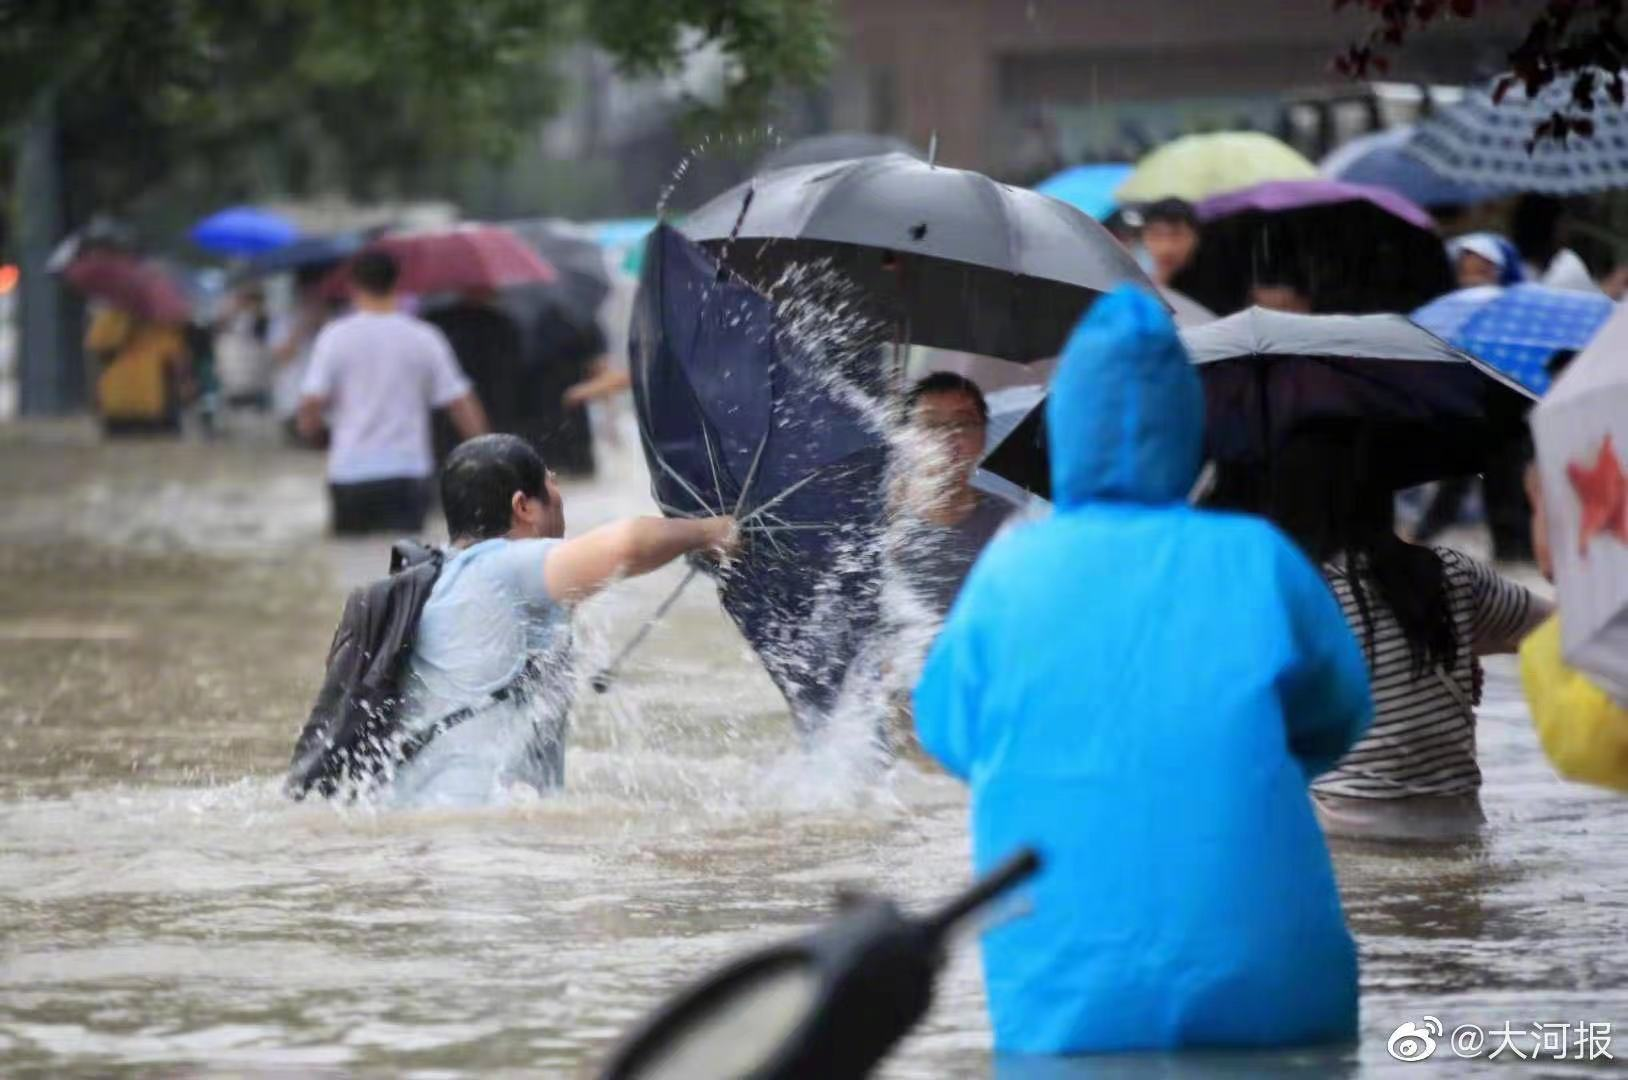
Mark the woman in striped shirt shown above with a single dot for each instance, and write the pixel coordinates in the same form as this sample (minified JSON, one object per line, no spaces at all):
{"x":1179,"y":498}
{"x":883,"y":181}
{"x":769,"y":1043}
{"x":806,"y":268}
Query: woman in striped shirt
{"x":1423,"y":617}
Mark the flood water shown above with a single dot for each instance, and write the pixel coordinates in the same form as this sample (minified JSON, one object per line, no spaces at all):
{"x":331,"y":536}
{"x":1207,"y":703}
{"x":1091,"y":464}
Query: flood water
{"x":164,"y":612}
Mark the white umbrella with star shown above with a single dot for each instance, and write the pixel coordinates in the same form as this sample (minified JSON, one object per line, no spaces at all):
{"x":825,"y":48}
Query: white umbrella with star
{"x":1581,"y":432}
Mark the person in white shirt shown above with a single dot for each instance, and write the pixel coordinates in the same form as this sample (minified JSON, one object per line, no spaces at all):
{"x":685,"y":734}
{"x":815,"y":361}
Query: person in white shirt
{"x":376,"y":374}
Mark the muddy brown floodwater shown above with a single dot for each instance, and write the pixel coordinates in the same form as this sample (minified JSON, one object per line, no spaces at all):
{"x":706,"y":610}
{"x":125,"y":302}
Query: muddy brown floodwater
{"x":164,"y":610}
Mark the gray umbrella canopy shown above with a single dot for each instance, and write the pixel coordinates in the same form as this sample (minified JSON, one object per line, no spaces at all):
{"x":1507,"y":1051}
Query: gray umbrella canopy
{"x":583,"y":282}
{"x":941,"y":257}
{"x":835,"y":146}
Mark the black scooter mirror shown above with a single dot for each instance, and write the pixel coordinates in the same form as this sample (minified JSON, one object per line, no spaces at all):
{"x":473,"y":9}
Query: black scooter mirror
{"x":828,"y":1005}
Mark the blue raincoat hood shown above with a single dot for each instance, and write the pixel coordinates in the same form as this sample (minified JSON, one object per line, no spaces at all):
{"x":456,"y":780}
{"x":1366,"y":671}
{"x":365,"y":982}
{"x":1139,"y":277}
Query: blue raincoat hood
{"x":1125,"y":413}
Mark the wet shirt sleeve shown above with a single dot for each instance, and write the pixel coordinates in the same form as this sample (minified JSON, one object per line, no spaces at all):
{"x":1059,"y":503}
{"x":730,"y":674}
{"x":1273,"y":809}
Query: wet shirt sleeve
{"x":519,"y":564}
{"x":1503,"y":610}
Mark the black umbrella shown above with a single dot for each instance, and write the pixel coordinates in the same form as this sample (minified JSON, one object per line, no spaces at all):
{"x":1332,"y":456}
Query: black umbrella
{"x":1431,"y":410}
{"x":943,"y":257}
{"x":583,"y":281}
{"x":1350,"y":249}
{"x":834,"y":146}
{"x":740,"y":416}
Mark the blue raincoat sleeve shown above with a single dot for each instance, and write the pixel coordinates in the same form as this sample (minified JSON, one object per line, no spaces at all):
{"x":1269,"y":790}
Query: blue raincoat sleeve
{"x":1326,"y":703}
{"x":946,"y":693}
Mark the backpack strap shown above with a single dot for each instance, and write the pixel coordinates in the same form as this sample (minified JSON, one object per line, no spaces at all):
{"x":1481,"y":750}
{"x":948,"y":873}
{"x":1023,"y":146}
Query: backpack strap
{"x":516,"y":689}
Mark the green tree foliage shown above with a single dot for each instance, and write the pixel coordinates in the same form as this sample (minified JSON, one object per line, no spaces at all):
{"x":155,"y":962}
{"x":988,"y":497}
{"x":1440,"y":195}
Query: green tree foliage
{"x":259,"y":95}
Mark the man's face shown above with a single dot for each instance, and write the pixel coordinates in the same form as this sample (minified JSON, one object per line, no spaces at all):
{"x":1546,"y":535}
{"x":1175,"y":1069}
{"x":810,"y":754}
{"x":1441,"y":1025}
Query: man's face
{"x":1171,"y":245}
{"x":538,"y":518}
{"x":952,"y":419}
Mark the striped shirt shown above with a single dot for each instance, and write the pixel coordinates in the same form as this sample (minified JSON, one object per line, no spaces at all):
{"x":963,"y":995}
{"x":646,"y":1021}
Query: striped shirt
{"x":1422,"y":741}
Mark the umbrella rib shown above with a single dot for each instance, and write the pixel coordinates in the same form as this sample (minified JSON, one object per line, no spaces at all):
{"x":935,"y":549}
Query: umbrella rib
{"x":785,"y":494}
{"x":712,"y":462}
{"x":751,"y":476}
{"x":675,"y":475}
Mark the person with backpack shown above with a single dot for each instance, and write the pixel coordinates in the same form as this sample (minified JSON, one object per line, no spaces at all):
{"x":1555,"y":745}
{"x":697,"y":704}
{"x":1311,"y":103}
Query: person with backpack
{"x":452,"y":679}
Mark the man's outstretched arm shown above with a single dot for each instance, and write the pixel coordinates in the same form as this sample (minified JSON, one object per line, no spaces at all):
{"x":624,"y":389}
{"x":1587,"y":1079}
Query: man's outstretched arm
{"x":576,"y":569}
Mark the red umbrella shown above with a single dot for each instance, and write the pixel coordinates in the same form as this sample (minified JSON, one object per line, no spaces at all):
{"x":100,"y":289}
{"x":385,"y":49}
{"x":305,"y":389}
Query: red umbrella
{"x":135,"y":285}
{"x":453,"y":260}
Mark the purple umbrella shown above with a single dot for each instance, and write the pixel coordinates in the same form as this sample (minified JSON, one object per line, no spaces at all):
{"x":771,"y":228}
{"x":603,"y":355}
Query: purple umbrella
{"x":1278,"y":195}
{"x":1348,"y":248}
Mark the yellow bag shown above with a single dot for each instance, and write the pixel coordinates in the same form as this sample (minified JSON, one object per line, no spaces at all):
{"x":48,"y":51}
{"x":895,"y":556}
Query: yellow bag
{"x":1584,"y":732}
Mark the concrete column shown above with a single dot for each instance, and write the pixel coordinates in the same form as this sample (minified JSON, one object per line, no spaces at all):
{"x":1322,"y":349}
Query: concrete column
{"x":51,"y":374}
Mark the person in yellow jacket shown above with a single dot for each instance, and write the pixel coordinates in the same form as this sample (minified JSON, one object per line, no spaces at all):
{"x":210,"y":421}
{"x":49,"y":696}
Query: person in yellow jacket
{"x":1584,"y":731}
{"x":143,"y":372}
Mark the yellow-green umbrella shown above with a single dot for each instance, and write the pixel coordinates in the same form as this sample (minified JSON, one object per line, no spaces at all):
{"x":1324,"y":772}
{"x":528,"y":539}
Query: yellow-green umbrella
{"x":1195,"y":167}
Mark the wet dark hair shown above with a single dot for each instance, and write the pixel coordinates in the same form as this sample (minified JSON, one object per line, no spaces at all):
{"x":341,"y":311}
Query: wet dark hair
{"x":1170,"y":212}
{"x":1318,"y":492}
{"x":479,"y":480}
{"x":947,"y":382}
{"x":375,"y":271}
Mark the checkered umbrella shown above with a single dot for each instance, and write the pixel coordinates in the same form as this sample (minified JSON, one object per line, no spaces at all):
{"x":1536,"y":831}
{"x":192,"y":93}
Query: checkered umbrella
{"x":1519,"y":328}
{"x":1478,"y":141}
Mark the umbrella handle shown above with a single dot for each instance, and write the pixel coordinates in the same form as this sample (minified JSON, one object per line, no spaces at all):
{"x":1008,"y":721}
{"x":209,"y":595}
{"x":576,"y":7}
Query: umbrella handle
{"x":604,"y":676}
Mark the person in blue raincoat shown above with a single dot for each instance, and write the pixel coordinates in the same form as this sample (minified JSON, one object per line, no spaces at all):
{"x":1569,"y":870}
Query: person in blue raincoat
{"x":1141,"y":691}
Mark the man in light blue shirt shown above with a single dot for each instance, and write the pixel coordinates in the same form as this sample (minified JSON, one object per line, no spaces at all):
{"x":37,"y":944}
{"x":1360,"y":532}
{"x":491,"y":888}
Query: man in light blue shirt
{"x":489,"y":685}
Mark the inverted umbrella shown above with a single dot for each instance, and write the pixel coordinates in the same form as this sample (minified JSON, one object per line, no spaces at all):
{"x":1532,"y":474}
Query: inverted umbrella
{"x":1581,"y":432}
{"x":1518,"y":328}
{"x":1381,"y":159}
{"x":1491,"y":143}
{"x":835,"y":146}
{"x":1195,"y":167}
{"x":1433,"y":410}
{"x":129,"y":283}
{"x":243,"y":230}
{"x":946,"y":257}
{"x":1088,"y":187}
{"x":739,"y":416}
{"x":1352,"y":248}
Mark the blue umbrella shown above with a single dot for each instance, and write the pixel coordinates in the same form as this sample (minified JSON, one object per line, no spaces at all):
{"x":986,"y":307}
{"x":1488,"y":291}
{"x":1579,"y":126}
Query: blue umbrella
{"x":1379,"y":159}
{"x":1087,"y":187}
{"x":243,"y":230}
{"x":1519,"y":328}
{"x":738,"y":416}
